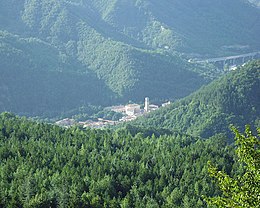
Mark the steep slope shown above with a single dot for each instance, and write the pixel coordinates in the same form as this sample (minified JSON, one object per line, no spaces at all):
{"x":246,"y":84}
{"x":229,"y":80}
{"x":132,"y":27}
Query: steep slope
{"x":49,"y":94}
{"x":129,"y":47}
{"x":70,"y":37}
{"x":233,"y":99}
{"x":188,"y":25}
{"x":34,"y":54}
{"x":134,"y":73}
{"x":37,"y":80}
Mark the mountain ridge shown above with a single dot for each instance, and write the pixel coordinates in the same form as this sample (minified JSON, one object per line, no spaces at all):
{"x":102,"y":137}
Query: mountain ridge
{"x":232,"y":99}
{"x":99,"y":39}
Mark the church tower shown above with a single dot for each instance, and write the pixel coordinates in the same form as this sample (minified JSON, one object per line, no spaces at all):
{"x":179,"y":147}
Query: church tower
{"x":146,"y":104}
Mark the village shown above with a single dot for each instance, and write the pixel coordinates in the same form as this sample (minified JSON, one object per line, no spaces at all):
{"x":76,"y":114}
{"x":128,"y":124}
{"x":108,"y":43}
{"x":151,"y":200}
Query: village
{"x":130,"y":112}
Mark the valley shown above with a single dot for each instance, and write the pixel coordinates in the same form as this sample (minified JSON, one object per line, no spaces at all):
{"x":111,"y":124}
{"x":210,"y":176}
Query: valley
{"x":229,"y":61}
{"x":128,"y":50}
{"x":126,"y":113}
{"x":124,"y":104}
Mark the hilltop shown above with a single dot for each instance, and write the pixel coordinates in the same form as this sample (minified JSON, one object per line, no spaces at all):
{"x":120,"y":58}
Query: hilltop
{"x":185,"y":25}
{"x":232,"y":99}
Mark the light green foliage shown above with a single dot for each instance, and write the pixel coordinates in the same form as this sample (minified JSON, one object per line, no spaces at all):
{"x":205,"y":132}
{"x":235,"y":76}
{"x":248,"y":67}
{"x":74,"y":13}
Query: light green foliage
{"x":242,"y":191}
{"x":134,"y":73}
{"x":159,"y":36}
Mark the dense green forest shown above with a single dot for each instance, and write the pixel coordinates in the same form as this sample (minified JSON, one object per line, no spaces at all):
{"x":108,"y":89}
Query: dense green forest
{"x":187,"y":25}
{"x":40,"y":83}
{"x":177,"y":24}
{"x":70,"y":58}
{"x":116,"y":47}
{"x":47,"y":166}
{"x":232,"y":99}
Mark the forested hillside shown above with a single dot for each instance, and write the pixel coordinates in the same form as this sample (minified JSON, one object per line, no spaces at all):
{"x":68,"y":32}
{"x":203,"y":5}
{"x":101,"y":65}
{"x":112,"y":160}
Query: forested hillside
{"x":129,"y":49}
{"x":188,"y":25}
{"x":46,"y":166}
{"x":232,"y":99}
{"x":60,"y":57}
{"x":177,"y":24}
{"x":39,"y":82}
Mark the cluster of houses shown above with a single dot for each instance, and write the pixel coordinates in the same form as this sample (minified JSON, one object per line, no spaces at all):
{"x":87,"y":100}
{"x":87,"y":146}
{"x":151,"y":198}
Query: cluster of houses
{"x":130,"y":112}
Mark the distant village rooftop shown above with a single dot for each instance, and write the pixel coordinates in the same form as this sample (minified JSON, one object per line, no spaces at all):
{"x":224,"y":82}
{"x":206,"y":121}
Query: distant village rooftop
{"x":130,"y":111}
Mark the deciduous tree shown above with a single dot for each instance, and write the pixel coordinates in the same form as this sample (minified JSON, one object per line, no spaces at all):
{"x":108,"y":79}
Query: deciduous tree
{"x":243,"y":190}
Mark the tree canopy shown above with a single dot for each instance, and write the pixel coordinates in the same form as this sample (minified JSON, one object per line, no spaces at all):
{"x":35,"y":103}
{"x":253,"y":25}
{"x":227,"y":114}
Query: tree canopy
{"x":242,"y":191}
{"x":43,"y":165}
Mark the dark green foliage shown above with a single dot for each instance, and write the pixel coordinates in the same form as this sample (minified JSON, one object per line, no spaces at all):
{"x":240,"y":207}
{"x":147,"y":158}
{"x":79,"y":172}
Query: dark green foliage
{"x":184,"y":25}
{"x":49,"y":94}
{"x":107,"y":115}
{"x":187,"y":25}
{"x":37,"y":80}
{"x":232,"y":99}
{"x":47,"y":166}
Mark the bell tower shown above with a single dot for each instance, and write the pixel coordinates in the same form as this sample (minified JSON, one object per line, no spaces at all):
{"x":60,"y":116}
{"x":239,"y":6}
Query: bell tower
{"x":146,"y":104}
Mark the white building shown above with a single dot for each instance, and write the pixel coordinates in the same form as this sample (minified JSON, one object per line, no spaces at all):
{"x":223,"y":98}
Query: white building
{"x":165,"y":104}
{"x":146,"y":104}
{"x":66,"y":122}
{"x":153,"y":107}
{"x":132,"y":109}
{"x":118,"y":109}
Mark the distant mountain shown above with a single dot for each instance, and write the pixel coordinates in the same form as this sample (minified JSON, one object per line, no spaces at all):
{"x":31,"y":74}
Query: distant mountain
{"x":130,"y":48}
{"x":232,"y":99}
{"x":30,"y":64}
{"x":189,"y":26}
{"x":36,"y":80}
